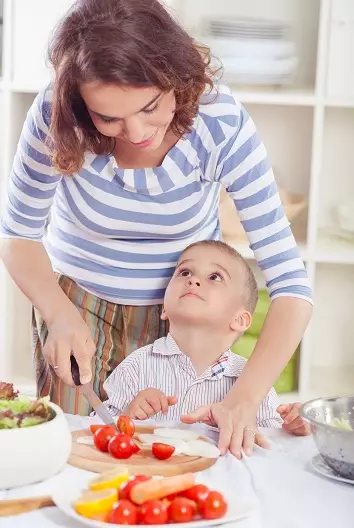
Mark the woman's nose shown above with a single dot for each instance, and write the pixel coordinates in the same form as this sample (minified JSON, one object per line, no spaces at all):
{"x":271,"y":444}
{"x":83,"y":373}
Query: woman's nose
{"x":134,"y":130}
{"x":193,"y":281}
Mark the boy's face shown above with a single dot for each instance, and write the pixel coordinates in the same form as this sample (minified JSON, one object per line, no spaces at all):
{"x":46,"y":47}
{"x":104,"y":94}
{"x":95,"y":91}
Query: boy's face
{"x":206,"y":288}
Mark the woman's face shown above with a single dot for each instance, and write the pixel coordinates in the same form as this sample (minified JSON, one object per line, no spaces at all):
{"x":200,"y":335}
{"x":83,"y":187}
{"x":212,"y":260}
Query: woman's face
{"x":139,"y":116}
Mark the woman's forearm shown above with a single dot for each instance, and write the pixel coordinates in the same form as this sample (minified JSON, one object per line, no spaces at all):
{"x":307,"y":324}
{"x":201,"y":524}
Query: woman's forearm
{"x":29,"y":266}
{"x":282,"y":331}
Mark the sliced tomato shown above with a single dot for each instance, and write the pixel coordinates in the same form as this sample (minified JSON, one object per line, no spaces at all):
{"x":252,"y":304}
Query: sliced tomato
{"x":126,"y":425}
{"x":197,"y":493}
{"x":102,"y":437}
{"x":182,"y":510}
{"x":126,"y":487}
{"x":121,"y":446}
{"x":214,"y":506}
{"x":153,"y":512}
{"x":123,"y":512}
{"x":162,"y":451}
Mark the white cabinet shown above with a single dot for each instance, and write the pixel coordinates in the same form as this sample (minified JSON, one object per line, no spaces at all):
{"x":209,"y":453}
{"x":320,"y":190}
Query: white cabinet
{"x":32,"y":24}
{"x":340,"y":74}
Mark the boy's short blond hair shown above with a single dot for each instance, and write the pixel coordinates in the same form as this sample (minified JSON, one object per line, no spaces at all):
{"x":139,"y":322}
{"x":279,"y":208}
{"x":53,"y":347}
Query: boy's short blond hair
{"x":250,"y":295}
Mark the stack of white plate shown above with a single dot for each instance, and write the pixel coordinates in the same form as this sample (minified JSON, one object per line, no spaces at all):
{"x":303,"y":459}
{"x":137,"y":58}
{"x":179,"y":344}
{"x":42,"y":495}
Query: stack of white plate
{"x":252,"y":50}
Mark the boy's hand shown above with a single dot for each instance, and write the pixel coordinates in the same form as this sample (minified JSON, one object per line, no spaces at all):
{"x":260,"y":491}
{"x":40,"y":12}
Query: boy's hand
{"x":149,"y":402}
{"x":293,"y":423}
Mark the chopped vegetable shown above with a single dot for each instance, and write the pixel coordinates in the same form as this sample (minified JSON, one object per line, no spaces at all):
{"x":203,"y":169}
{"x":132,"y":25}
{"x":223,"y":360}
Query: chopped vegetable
{"x":20,"y":411}
{"x":159,"y":488}
{"x":341,"y":423}
{"x":121,"y":446}
{"x":182,"y":434}
{"x":126,"y":425}
{"x":112,"y":478}
{"x":162,"y":451}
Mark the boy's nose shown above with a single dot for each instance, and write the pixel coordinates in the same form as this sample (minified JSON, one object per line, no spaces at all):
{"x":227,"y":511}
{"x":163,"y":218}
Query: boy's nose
{"x":193,"y":281}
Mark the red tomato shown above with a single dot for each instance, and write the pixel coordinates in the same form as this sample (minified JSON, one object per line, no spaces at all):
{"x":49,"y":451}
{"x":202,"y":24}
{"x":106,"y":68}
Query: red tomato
{"x":182,"y":510}
{"x":123,"y":512}
{"x":162,"y":451}
{"x":136,"y":448}
{"x":214,"y":506}
{"x":126,"y":487}
{"x":197,"y":493}
{"x":102,"y":437}
{"x":153,"y":512}
{"x":121,"y":446}
{"x":126,"y":425}
{"x":95,"y":427}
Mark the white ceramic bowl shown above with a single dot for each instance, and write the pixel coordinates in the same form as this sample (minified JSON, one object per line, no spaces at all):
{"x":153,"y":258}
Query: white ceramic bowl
{"x":36,"y":453}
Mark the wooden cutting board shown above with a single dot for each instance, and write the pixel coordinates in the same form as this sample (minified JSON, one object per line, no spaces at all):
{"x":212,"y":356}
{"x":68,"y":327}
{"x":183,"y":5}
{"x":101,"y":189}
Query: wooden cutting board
{"x":91,"y":459}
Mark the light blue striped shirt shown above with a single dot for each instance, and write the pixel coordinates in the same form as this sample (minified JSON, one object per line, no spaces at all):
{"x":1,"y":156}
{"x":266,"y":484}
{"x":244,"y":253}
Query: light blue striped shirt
{"x":119,"y":232}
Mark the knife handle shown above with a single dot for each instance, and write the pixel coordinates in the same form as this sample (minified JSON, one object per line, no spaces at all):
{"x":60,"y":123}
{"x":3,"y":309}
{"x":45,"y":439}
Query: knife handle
{"x":75,"y":372}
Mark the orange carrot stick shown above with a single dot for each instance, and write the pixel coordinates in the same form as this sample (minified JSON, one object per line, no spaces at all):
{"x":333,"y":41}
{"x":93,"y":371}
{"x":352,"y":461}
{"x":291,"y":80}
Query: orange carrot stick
{"x":159,"y":488}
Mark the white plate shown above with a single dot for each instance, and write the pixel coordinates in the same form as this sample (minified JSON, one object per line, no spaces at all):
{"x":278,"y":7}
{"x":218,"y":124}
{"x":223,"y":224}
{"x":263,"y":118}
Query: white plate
{"x":236,"y":512}
{"x":321,"y":467}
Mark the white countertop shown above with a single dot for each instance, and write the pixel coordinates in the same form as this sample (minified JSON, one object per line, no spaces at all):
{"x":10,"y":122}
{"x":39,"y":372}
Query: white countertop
{"x":290,"y":494}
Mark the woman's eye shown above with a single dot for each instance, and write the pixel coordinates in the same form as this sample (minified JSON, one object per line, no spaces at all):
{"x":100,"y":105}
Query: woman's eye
{"x":215,"y":277}
{"x":108,"y":120}
{"x":185,"y":273}
{"x":151,"y":110}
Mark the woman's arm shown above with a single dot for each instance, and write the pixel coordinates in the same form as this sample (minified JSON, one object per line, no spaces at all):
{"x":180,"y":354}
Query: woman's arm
{"x":31,"y":190}
{"x":243,"y":169}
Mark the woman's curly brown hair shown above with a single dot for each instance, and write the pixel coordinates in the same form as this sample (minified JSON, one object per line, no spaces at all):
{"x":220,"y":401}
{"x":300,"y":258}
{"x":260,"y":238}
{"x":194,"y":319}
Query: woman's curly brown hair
{"x":130,"y":42}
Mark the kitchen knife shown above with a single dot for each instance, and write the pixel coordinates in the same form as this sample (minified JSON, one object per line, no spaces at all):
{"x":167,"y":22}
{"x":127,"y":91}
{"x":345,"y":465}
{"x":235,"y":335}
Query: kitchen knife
{"x":90,"y":395}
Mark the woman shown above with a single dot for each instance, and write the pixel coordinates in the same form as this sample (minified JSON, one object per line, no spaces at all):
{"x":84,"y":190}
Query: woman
{"x":127,"y":152}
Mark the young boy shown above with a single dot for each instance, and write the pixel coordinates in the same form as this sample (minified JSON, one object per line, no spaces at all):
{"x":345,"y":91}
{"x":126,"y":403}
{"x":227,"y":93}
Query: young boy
{"x":209,"y":304}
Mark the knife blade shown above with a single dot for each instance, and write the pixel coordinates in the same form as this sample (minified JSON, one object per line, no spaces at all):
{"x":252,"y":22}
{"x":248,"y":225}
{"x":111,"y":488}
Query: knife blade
{"x":90,"y":395}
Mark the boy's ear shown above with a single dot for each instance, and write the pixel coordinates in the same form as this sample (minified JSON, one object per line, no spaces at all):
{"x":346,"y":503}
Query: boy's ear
{"x":241,"y":322}
{"x":163,"y":315}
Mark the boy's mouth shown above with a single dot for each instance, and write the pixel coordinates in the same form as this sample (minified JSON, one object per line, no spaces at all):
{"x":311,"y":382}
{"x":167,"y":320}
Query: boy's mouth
{"x":191,"y":293}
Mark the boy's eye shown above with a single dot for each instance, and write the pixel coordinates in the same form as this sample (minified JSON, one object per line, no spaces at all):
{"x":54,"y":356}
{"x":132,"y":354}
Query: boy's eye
{"x":216,"y":277}
{"x":185,"y":273}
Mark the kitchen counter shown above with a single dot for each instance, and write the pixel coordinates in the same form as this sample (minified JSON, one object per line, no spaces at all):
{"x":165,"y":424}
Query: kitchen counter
{"x":289,"y":493}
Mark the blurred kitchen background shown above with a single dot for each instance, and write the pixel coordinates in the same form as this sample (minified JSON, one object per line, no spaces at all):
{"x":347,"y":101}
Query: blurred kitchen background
{"x":290,"y":62}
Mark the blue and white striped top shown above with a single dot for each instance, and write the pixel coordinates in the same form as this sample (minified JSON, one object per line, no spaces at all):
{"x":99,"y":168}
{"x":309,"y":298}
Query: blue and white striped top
{"x":118,"y":232}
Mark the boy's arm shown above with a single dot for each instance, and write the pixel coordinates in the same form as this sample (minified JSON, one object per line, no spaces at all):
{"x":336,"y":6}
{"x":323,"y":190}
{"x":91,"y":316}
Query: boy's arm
{"x":267,"y":415}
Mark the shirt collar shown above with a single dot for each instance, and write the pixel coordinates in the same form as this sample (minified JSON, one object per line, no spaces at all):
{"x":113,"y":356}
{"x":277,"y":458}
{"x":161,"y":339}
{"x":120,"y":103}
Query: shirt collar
{"x":223,"y":366}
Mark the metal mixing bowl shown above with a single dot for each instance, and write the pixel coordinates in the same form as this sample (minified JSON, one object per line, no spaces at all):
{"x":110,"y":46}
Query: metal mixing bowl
{"x":335,"y":445}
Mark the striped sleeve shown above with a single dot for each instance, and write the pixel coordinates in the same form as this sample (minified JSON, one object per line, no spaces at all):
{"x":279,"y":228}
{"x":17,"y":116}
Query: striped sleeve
{"x":122,"y":386}
{"x":267,"y":415}
{"x":244,"y":170}
{"x":33,"y":180}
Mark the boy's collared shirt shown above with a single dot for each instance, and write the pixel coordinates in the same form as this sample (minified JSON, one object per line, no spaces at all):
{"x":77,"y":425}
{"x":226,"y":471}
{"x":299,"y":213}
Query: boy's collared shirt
{"x":163,"y":366}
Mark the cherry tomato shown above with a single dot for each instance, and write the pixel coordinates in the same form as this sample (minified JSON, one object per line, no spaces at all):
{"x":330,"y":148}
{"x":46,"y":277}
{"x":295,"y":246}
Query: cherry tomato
{"x":126,"y":487}
{"x":197,"y":493}
{"x":162,"y":451}
{"x":95,"y":427}
{"x":126,"y":425}
{"x":153,"y":512}
{"x":102,"y":437}
{"x":121,"y":446}
{"x":136,"y":448}
{"x":214,"y":506}
{"x":123,"y":512}
{"x":182,"y":510}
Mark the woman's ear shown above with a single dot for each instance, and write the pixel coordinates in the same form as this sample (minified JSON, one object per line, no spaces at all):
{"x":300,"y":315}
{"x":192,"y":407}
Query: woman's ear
{"x":163,"y":315}
{"x":241,"y":322}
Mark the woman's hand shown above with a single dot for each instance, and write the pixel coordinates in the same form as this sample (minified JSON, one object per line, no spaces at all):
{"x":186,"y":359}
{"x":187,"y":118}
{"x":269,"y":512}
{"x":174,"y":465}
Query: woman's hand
{"x":69,"y":334}
{"x":237,"y":425}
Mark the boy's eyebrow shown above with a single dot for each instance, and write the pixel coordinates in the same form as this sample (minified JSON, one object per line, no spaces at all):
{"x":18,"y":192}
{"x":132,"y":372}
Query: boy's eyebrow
{"x":213,"y":263}
{"x":141,"y":109}
{"x":183,"y":262}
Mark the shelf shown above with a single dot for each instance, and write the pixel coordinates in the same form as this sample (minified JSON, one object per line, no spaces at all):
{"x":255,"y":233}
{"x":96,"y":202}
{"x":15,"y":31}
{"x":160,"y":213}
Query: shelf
{"x":281,"y":97}
{"x":27,"y":88}
{"x":340,"y":102}
{"x":334,"y":251}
